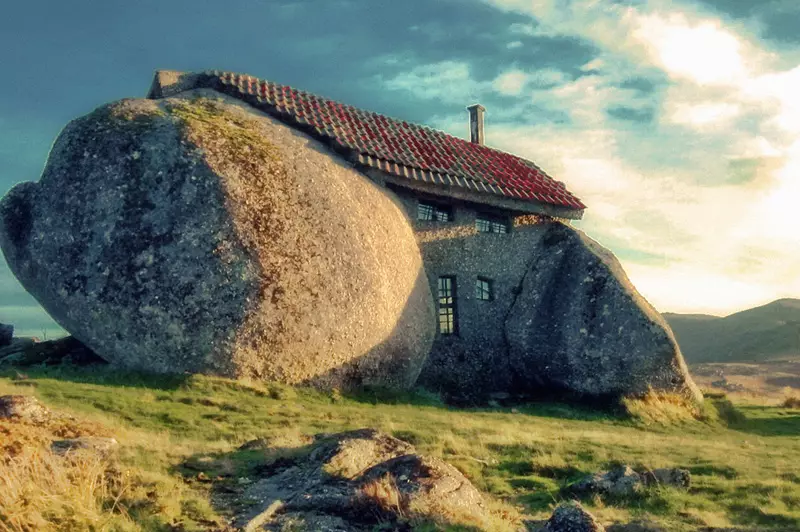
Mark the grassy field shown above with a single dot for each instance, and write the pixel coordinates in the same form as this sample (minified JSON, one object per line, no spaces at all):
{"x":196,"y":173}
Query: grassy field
{"x":180,"y":464}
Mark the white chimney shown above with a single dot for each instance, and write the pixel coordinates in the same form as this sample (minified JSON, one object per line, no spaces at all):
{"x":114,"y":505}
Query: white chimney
{"x":476,"y":122}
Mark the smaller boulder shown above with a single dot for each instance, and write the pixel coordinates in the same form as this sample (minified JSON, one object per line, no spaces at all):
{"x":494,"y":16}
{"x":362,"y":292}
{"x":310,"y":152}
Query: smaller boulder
{"x":572,"y":517}
{"x":23,"y":408}
{"x":668,"y":476}
{"x":623,"y":481}
{"x":6,"y":334}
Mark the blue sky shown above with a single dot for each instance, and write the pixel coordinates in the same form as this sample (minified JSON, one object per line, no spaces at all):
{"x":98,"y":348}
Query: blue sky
{"x":677,"y":123}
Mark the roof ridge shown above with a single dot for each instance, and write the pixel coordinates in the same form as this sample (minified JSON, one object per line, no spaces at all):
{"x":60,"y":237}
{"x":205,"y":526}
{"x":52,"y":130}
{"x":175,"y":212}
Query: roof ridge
{"x":399,"y":147}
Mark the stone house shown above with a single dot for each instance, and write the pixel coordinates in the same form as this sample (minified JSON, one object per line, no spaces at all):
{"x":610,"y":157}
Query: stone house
{"x":475,"y":210}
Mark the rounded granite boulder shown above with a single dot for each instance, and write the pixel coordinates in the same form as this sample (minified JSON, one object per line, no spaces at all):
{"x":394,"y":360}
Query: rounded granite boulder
{"x":196,"y":234}
{"x":579,"y":326}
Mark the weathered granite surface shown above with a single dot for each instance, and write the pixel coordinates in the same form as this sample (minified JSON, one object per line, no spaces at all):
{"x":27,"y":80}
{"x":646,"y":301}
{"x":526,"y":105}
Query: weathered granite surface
{"x":570,"y":516}
{"x":197,"y":234}
{"x":353,"y":481}
{"x":579,"y":325}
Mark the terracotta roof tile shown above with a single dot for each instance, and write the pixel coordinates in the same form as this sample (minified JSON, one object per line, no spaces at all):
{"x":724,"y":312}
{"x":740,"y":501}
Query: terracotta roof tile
{"x":401,"y":148}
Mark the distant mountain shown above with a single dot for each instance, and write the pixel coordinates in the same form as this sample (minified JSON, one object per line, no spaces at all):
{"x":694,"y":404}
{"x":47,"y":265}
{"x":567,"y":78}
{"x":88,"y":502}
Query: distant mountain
{"x":761,"y":333}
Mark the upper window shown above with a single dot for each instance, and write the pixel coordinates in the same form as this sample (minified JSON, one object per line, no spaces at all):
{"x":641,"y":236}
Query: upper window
{"x":486,"y":223}
{"x":431,"y":212}
{"x":484,"y":289}
{"x":447,"y":305}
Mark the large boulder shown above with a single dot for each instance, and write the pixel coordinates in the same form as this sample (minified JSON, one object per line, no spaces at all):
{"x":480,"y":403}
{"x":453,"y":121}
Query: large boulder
{"x":198,"y":234}
{"x":579,"y":325}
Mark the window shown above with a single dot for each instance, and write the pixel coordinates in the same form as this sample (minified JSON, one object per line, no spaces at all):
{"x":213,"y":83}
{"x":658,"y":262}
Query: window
{"x":483,"y":289}
{"x":447,"y":305}
{"x":486,"y":223}
{"x":430,"y":212}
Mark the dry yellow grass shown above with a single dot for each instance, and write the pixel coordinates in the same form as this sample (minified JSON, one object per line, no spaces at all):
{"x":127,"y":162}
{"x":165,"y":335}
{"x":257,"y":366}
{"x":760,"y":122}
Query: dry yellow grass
{"x":662,"y":408}
{"x":382,"y":494}
{"x":792,"y":401}
{"x":41,"y":491}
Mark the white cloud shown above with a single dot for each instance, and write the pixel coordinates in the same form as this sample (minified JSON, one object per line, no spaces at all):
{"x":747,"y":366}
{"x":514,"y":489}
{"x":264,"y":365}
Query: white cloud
{"x":701,"y":206}
{"x":510,"y":82}
{"x":446,"y":81}
{"x":704,"y":114}
{"x":719,"y":204}
{"x":594,"y":64}
{"x":783,"y":88}
{"x":701,"y":52}
{"x":514,"y":44}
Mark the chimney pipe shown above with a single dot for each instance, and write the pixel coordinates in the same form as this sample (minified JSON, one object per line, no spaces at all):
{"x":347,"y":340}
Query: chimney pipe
{"x":476,"y":122}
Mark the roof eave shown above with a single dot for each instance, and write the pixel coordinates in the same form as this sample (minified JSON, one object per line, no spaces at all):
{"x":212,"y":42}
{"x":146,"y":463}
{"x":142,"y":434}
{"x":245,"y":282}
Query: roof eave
{"x":459,"y":193}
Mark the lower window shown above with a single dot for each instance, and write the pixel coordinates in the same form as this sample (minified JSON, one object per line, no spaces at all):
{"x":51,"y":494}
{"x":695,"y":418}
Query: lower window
{"x":447,"y":305}
{"x":484,"y":289}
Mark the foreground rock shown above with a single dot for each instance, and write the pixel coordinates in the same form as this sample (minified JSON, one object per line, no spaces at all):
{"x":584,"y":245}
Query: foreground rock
{"x":354,"y":480}
{"x":579,"y":325}
{"x":6,"y":334}
{"x":23,"y":408}
{"x":572,"y":517}
{"x":200,"y":235}
{"x":623,"y":481}
{"x":26,"y":352}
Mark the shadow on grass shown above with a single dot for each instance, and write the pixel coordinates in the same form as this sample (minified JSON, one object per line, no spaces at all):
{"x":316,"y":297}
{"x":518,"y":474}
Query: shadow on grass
{"x":757,"y":419}
{"x":712,"y":470}
{"x":752,"y":514}
{"x":766,"y":421}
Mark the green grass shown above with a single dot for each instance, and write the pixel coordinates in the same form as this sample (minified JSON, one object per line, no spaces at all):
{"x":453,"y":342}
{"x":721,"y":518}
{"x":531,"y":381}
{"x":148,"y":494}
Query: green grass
{"x":181,"y":438}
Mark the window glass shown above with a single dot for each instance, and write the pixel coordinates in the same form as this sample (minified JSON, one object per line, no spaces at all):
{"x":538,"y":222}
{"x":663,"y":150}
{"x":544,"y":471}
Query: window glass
{"x":483,"y":289}
{"x":491,"y":224}
{"x":447,"y":305}
{"x":430,"y":212}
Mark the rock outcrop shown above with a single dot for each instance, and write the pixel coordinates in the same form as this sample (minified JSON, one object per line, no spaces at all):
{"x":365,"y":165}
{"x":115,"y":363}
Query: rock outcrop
{"x":198,"y":234}
{"x":579,"y":325}
{"x":353,"y":481}
{"x":6,"y":334}
{"x":27,"y":352}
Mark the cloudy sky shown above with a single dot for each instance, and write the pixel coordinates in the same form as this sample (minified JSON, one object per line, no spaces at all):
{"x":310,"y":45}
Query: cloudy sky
{"x":677,"y":122}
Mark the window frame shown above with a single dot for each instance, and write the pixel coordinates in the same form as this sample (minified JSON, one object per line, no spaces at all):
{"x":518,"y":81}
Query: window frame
{"x":437,"y":211}
{"x":447,"y":309}
{"x":493,"y":223}
{"x":484,"y":286}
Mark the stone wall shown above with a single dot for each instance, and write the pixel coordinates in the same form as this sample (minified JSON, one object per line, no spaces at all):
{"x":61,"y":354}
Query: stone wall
{"x":477,"y":357}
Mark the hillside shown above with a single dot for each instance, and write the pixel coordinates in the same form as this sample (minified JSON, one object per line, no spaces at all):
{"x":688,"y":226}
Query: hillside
{"x":189,"y":447}
{"x":763,"y":333}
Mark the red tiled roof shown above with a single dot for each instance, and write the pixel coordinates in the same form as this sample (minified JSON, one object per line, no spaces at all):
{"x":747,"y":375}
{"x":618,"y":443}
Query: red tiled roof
{"x":400,"y":148}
